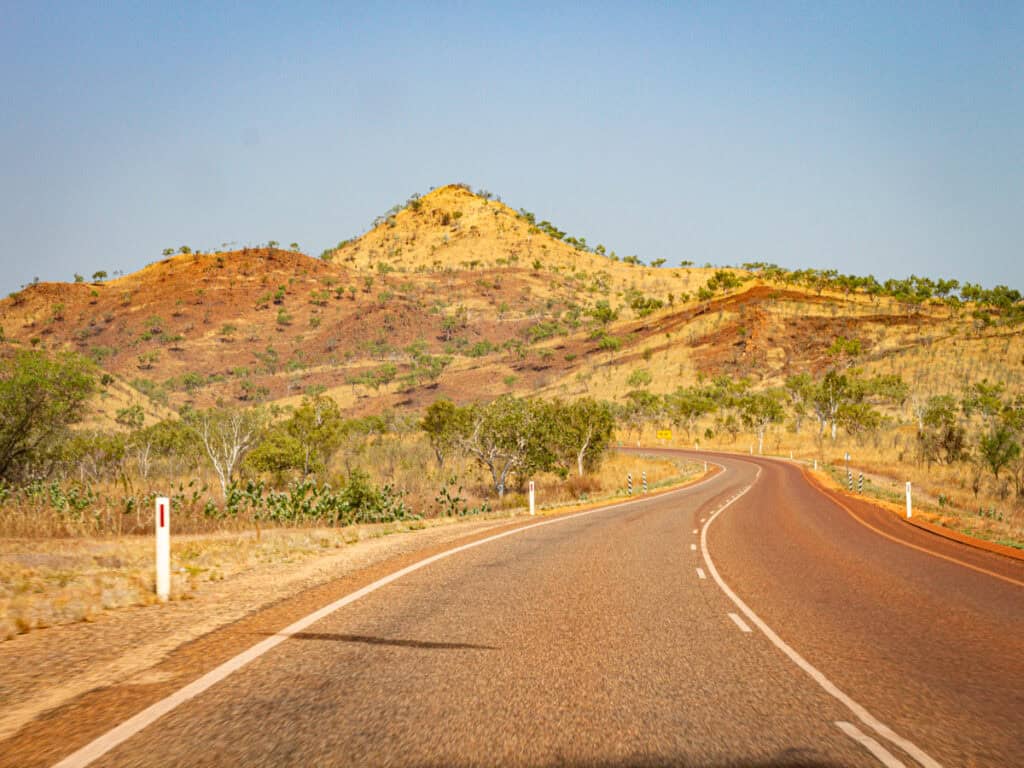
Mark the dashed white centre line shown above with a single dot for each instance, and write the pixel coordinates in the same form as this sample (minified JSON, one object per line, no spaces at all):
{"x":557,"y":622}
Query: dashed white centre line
{"x":693,"y":547}
{"x":700,"y":573}
{"x":695,"y":531}
{"x":739,"y":622}
{"x":885,"y":757}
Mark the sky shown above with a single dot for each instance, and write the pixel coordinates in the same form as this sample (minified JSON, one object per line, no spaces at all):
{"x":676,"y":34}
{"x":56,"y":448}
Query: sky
{"x":883,"y":139}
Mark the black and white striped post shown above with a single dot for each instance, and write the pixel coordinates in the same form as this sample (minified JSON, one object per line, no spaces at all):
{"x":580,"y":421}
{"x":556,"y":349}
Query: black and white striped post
{"x":849,"y":480}
{"x":629,"y":484}
{"x":860,"y":482}
{"x":643,"y":481}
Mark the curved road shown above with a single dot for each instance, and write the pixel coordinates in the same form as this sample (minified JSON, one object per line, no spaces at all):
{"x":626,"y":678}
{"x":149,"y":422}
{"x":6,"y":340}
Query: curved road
{"x":746,"y":621}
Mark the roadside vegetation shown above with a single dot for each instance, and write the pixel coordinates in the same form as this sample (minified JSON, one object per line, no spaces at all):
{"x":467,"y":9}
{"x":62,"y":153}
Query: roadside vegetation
{"x":236,"y":467}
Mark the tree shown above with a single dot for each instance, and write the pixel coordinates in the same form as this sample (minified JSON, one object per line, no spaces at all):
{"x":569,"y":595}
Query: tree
{"x":443,"y":423}
{"x":998,"y":448}
{"x":641,"y":377}
{"x":509,"y":436}
{"x":94,"y":453}
{"x":40,"y":397}
{"x":99,"y":276}
{"x":582,"y":432}
{"x":686,"y":406}
{"x":845,"y":351}
{"x":799,"y":389}
{"x":759,"y":411}
{"x":939,"y":436}
{"x":227,"y":434}
{"x":859,"y":418}
{"x":172,"y":440}
{"x":132,"y":417}
{"x":827,"y":398}
{"x":277,"y":453}
{"x":317,"y":426}
{"x":640,"y":408}
{"x":602,"y":313}
{"x":985,"y":399}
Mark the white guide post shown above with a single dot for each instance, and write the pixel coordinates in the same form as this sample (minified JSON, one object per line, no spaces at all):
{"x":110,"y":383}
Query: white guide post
{"x":532,"y":507}
{"x":908,"y":500}
{"x":815,"y":465}
{"x":163,"y":548}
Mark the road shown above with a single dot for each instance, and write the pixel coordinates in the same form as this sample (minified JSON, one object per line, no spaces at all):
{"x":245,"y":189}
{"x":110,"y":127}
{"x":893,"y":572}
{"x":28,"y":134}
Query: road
{"x":746,"y":621}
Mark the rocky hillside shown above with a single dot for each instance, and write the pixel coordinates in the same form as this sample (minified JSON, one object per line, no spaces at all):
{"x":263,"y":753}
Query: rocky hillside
{"x":456,"y":294}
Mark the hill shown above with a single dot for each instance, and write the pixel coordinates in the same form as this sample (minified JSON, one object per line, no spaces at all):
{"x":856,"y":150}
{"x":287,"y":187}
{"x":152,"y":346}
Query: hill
{"x":457,"y":294}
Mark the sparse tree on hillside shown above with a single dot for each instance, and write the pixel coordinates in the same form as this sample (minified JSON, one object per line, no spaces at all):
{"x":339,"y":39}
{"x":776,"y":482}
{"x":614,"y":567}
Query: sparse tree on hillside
{"x":940,"y":437}
{"x":687,"y":405}
{"x":759,"y":410}
{"x":641,"y":377}
{"x":602,"y":313}
{"x":829,"y":396}
{"x":998,"y":448}
{"x":132,"y":417}
{"x":641,"y":408}
{"x":799,"y":390}
{"x":984,"y":399}
{"x":845,"y":351}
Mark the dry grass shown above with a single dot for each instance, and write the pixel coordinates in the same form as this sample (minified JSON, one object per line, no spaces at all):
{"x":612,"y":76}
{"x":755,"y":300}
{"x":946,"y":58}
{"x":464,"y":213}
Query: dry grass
{"x":49,"y":582}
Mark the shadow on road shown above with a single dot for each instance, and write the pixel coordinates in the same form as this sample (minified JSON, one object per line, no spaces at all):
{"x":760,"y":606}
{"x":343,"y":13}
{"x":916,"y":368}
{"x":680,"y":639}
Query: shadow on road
{"x":369,"y":640}
{"x":790,"y":758}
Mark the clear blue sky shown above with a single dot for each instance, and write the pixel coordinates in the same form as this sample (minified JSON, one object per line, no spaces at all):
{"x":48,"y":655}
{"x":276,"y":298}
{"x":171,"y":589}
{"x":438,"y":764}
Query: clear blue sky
{"x":869,"y":138}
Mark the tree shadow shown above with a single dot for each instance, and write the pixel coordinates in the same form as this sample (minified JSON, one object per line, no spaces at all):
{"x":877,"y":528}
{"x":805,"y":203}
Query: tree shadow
{"x":397,"y":643}
{"x":789,"y":758}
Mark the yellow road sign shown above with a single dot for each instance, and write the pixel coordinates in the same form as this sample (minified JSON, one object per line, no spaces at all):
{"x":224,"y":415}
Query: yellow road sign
{"x":664,"y":434}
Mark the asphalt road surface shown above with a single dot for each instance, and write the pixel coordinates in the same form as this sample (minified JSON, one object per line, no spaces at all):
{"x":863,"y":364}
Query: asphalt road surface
{"x":746,"y":621}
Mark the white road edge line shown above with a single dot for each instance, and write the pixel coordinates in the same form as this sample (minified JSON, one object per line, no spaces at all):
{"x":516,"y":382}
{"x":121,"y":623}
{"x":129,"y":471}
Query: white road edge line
{"x":700,"y":573}
{"x":885,"y":757}
{"x":739,"y":622}
{"x":861,"y":713}
{"x":112,"y":738}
